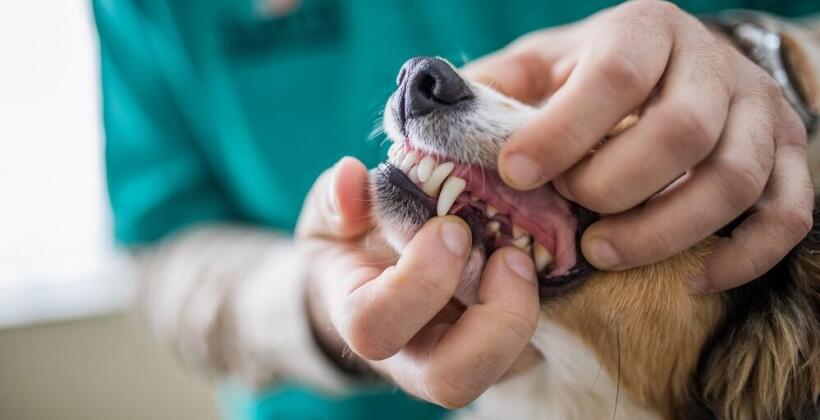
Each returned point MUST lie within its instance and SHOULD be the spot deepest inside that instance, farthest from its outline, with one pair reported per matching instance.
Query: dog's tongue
(542, 212)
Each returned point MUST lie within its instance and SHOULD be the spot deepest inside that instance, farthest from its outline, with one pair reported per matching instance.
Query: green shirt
(214, 112)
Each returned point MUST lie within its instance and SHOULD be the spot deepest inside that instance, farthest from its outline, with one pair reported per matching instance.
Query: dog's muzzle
(427, 84)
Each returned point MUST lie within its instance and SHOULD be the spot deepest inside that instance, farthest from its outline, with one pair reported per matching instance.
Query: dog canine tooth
(433, 183)
(541, 256)
(408, 161)
(450, 191)
(522, 242)
(426, 167)
(490, 211)
(518, 231)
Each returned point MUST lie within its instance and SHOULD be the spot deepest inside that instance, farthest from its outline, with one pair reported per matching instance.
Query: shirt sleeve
(158, 179)
(226, 300)
(229, 300)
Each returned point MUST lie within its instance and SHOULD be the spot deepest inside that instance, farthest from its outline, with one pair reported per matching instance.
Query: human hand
(716, 138)
(397, 313)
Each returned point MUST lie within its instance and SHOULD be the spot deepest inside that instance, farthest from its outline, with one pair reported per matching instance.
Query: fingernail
(520, 264)
(522, 172)
(603, 255)
(455, 237)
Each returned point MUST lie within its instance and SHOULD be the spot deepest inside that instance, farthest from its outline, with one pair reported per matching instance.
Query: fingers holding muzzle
(381, 312)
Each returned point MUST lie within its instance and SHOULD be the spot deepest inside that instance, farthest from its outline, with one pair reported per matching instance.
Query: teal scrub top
(214, 111)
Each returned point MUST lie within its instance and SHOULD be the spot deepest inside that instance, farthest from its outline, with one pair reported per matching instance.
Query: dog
(634, 344)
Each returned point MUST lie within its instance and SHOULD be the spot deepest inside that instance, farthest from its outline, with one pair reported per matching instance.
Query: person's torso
(277, 99)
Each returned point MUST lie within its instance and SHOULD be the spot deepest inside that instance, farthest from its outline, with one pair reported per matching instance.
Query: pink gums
(542, 212)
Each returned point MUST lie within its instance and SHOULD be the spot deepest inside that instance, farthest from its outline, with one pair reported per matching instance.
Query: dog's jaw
(468, 136)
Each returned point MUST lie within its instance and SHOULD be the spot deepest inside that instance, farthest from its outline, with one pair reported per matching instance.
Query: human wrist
(270, 334)
(328, 339)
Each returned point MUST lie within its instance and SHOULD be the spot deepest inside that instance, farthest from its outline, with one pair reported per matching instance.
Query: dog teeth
(522, 242)
(391, 152)
(518, 231)
(490, 211)
(414, 174)
(409, 161)
(450, 191)
(426, 167)
(433, 183)
(398, 157)
(494, 226)
(541, 256)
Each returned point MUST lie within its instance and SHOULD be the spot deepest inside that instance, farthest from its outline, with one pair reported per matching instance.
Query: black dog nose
(428, 84)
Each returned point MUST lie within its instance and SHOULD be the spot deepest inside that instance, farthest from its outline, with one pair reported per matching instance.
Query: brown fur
(751, 353)
(646, 325)
(765, 360)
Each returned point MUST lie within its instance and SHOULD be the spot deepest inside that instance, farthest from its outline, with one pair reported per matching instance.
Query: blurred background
(68, 348)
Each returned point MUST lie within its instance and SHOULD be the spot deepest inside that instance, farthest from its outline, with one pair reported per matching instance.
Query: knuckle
(692, 147)
(623, 71)
(526, 60)
(528, 43)
(366, 335)
(797, 222)
(763, 86)
(435, 287)
(793, 131)
(440, 389)
(691, 128)
(666, 8)
(710, 67)
(742, 180)
(600, 193)
(517, 322)
(769, 88)
(658, 7)
(756, 265)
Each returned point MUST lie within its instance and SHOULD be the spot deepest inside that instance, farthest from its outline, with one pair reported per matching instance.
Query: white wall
(56, 258)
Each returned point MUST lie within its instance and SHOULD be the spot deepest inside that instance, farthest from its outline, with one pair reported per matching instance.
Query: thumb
(337, 207)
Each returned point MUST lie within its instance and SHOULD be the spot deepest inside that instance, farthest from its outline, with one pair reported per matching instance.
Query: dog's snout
(428, 84)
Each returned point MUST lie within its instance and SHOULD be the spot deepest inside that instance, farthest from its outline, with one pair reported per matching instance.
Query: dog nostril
(426, 86)
(430, 84)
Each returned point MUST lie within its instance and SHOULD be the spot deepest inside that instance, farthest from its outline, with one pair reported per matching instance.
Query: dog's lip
(549, 285)
(541, 212)
(550, 219)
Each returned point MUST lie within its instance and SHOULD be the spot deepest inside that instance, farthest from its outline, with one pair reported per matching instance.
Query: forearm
(230, 300)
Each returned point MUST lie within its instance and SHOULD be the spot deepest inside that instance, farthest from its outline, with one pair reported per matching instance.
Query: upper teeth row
(436, 181)
(434, 177)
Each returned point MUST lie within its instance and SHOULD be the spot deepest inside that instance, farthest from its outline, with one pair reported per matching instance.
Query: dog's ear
(763, 362)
